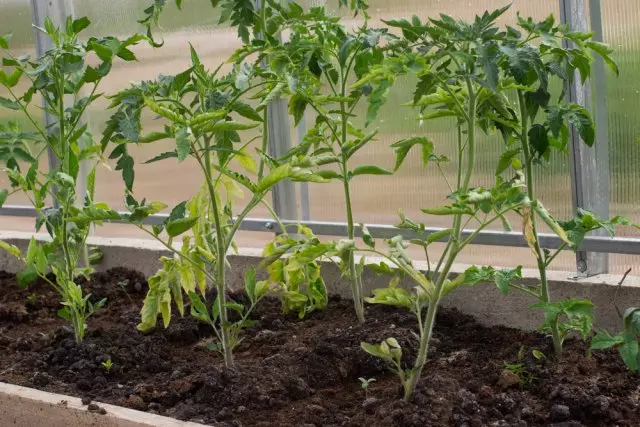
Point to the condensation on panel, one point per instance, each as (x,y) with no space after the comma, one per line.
(621,22)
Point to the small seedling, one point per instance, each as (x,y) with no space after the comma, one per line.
(33,299)
(519,368)
(626,342)
(107,365)
(365,383)
(538,354)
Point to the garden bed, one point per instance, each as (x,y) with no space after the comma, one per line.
(295,372)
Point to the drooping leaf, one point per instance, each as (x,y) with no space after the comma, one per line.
(403,147)
(183,143)
(505,160)
(504,278)
(181,225)
(604,340)
(370,170)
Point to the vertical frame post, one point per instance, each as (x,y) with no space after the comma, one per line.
(57,11)
(589,165)
(284,198)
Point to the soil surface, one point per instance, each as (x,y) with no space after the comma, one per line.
(294,372)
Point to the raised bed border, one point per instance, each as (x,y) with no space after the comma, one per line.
(28,407)
(485,302)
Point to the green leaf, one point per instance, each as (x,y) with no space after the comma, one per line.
(3,196)
(183,143)
(403,147)
(489,61)
(7,103)
(344,50)
(393,296)
(199,309)
(13,250)
(245,110)
(163,156)
(375,350)
(125,164)
(80,24)
(328,174)
(434,237)
(539,140)
(250,283)
(27,276)
(367,238)
(370,170)
(297,107)
(505,160)
(580,118)
(377,100)
(604,340)
(503,278)
(438,114)
(4,40)
(246,161)
(230,125)
(448,210)
(551,222)
(631,319)
(177,227)
(630,351)
(604,51)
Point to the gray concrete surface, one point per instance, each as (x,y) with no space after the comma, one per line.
(27,407)
(484,301)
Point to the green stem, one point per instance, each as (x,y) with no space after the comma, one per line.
(455,248)
(356,284)
(542,267)
(220,263)
(555,254)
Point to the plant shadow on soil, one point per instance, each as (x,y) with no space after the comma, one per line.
(294,372)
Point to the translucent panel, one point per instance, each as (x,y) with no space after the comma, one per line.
(167,181)
(377,199)
(15,17)
(622,32)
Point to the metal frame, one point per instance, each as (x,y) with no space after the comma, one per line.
(618,245)
(590,168)
(589,165)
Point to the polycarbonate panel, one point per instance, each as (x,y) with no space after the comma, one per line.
(15,18)
(377,199)
(196,24)
(621,23)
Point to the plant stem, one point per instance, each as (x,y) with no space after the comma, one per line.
(220,264)
(356,284)
(454,243)
(542,267)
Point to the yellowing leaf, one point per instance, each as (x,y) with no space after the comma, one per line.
(527,229)
(13,250)
(246,161)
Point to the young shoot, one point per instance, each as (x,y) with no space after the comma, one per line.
(295,278)
(68,86)
(205,115)
(524,63)
(626,342)
(455,82)
(322,60)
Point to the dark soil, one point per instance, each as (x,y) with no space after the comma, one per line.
(295,372)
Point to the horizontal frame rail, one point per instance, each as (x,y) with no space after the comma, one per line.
(617,245)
